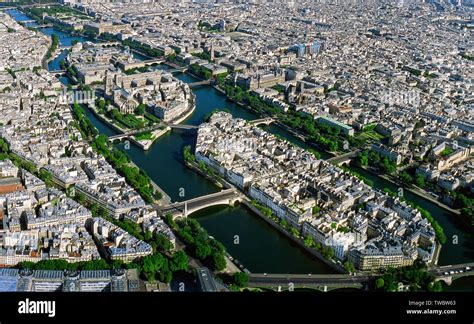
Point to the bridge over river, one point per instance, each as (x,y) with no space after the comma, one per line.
(326,282)
(343,158)
(185,208)
(262,121)
(127,135)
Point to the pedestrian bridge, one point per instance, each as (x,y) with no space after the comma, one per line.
(186,208)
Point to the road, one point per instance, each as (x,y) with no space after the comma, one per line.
(305,279)
(439,271)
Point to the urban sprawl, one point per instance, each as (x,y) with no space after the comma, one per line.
(387,86)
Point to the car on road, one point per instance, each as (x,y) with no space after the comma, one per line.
(468,268)
(446,273)
(434,195)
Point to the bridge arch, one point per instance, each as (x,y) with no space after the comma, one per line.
(447,280)
(317,287)
(227,197)
(231,202)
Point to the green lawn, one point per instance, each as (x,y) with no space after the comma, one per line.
(129,121)
(370,134)
(152,118)
(144,136)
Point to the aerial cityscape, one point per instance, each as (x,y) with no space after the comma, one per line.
(235,146)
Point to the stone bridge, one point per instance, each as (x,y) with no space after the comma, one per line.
(343,158)
(184,127)
(185,208)
(199,83)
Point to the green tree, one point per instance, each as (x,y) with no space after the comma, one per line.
(316,209)
(420,181)
(94,208)
(100,264)
(179,261)
(163,244)
(140,110)
(379,283)
(148,236)
(308,241)
(349,267)
(103,212)
(26,265)
(100,104)
(117,264)
(189,156)
(406,178)
(166,276)
(218,261)
(203,250)
(4,148)
(436,286)
(81,198)
(170,221)
(295,232)
(328,252)
(241,279)
(153,264)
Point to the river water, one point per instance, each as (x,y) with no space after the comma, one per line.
(261,248)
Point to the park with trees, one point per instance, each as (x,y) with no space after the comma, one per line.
(372,158)
(415,277)
(53,47)
(198,243)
